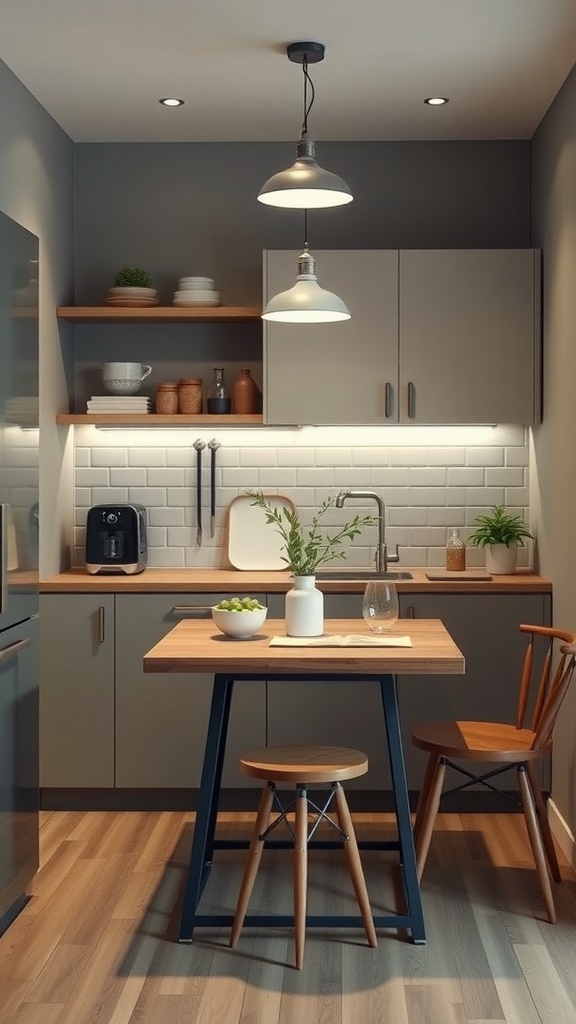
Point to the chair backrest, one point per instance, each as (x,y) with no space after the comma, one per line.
(551,686)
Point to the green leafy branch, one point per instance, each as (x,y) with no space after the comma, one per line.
(307,550)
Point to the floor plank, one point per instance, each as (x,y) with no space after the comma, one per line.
(97,940)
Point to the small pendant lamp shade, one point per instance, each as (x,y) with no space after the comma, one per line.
(305,185)
(306,302)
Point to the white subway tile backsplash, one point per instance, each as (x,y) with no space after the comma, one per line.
(427,487)
(485,457)
(466,476)
(424,476)
(127,477)
(108,457)
(166,516)
(148,456)
(164,477)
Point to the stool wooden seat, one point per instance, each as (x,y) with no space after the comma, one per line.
(303,765)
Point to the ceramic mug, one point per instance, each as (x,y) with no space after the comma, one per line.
(124,378)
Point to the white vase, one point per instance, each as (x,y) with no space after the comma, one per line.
(501,559)
(304,608)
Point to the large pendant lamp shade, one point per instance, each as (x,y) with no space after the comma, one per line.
(306,302)
(305,185)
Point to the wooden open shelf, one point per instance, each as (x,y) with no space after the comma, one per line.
(159,314)
(131,419)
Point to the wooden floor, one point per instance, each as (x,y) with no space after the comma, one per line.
(96,943)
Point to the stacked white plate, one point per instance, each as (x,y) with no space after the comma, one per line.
(196,291)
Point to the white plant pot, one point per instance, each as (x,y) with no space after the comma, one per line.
(501,559)
(304,608)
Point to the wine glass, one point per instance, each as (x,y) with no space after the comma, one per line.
(380,605)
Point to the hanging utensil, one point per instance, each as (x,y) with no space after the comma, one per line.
(213,446)
(199,446)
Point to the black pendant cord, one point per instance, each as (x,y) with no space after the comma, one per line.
(307,106)
(306,230)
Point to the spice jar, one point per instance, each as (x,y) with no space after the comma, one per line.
(455,552)
(167,398)
(190,395)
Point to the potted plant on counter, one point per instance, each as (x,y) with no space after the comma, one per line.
(305,550)
(501,533)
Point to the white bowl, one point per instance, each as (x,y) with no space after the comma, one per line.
(204,295)
(124,386)
(240,625)
(196,282)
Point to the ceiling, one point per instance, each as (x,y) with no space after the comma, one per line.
(100,67)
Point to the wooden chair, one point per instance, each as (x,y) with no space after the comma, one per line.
(505,745)
(303,765)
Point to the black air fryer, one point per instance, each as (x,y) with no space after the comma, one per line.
(116,539)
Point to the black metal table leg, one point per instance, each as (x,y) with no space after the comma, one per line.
(203,840)
(402,805)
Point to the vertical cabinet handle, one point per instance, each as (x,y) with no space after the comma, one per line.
(101,624)
(3,558)
(411,399)
(410,612)
(387,399)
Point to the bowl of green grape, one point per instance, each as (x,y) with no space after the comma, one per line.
(239,617)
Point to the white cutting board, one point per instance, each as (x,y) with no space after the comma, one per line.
(252,542)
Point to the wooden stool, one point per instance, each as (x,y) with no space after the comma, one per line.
(303,765)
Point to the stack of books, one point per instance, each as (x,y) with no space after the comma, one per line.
(118,403)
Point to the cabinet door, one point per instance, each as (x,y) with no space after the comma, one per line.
(76,690)
(333,711)
(335,373)
(469,331)
(162,718)
(485,628)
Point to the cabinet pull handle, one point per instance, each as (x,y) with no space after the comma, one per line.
(387,399)
(410,612)
(13,649)
(3,557)
(197,611)
(411,397)
(101,624)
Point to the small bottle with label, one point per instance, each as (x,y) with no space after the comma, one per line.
(219,399)
(455,552)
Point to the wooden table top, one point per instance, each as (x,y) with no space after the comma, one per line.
(197,646)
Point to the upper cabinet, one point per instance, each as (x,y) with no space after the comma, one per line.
(436,336)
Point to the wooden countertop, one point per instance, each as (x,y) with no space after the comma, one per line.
(165,581)
(196,646)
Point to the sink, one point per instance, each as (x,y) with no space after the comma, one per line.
(361,574)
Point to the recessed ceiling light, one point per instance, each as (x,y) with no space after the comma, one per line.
(436,101)
(171,102)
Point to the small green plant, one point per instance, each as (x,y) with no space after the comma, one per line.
(306,550)
(133,277)
(499,527)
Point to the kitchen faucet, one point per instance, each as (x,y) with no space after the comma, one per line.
(381,557)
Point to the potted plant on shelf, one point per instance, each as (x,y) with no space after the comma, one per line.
(132,287)
(501,533)
(305,550)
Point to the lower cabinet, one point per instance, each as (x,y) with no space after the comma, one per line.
(106,723)
(162,718)
(76,690)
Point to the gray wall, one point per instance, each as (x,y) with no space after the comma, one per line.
(553,478)
(190,208)
(36,189)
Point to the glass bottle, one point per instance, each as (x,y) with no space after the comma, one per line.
(455,552)
(218,399)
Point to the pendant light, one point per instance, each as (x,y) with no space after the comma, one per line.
(305,185)
(306,302)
